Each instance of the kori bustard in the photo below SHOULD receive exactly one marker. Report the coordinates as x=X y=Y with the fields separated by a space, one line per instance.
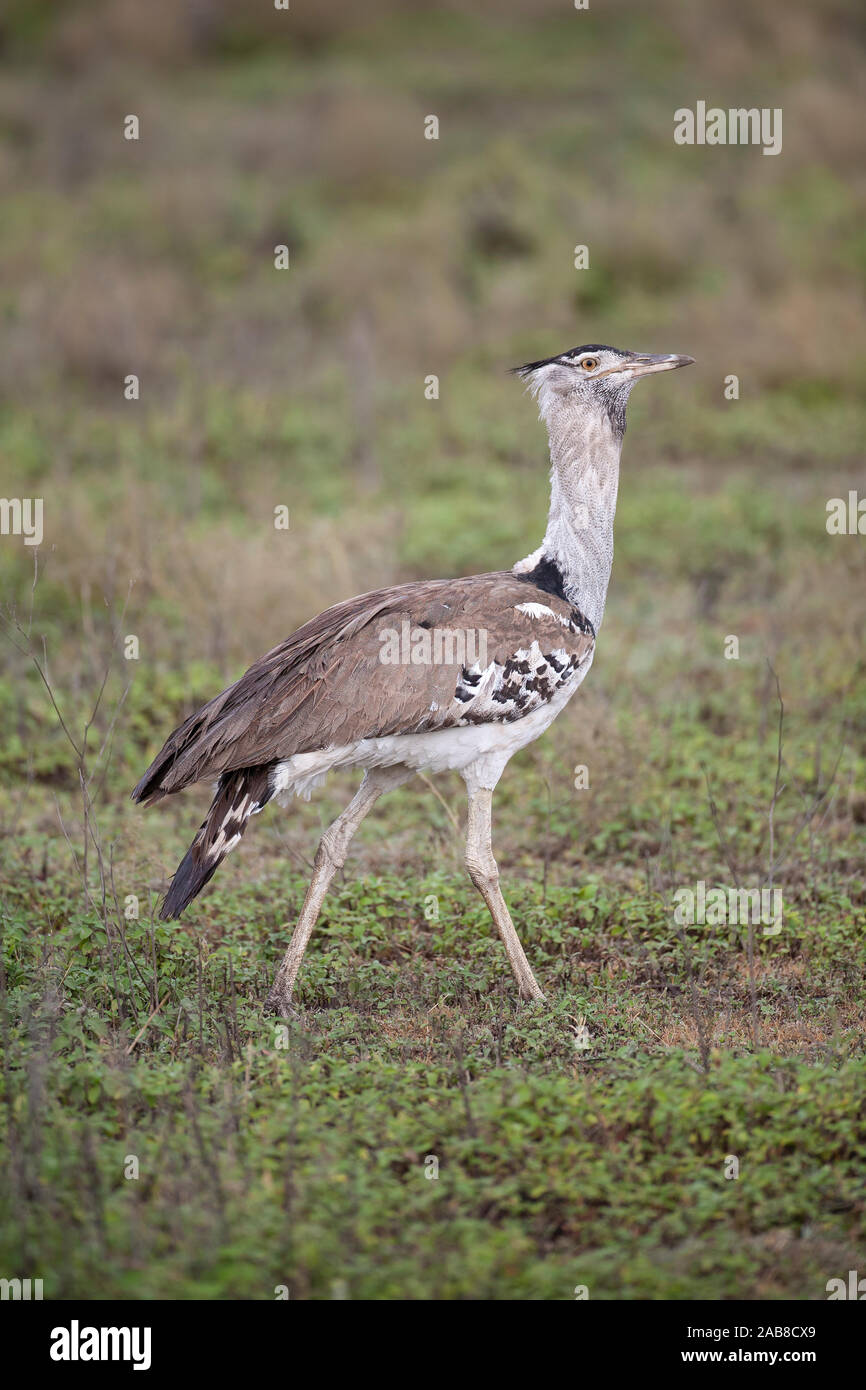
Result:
x=438 y=675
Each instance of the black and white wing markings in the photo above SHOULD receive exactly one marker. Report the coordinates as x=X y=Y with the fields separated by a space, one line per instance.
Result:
x=327 y=686
x=509 y=688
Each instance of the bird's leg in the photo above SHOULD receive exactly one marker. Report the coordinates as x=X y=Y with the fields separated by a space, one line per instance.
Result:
x=485 y=875
x=330 y=856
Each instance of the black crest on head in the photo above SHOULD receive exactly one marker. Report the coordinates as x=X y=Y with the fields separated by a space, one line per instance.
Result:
x=569 y=355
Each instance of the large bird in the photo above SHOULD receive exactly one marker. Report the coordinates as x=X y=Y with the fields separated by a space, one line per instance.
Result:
x=434 y=676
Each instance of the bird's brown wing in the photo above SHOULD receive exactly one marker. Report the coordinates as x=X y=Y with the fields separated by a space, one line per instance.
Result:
x=431 y=655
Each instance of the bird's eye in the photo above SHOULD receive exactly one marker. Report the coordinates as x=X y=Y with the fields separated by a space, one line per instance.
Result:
x=589 y=364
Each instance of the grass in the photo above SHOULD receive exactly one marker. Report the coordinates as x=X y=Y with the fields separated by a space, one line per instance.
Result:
x=300 y=1157
x=589 y=1143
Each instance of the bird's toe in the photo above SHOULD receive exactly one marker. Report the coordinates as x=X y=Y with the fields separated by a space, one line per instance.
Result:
x=276 y=1006
x=532 y=996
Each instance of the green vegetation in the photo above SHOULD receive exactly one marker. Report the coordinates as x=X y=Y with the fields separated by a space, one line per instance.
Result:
x=581 y=1144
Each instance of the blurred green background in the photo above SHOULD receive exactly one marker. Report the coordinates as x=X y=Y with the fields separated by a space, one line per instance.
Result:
x=306 y=388
x=412 y=257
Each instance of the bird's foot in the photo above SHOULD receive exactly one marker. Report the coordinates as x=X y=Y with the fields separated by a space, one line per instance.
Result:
x=530 y=996
x=278 y=1006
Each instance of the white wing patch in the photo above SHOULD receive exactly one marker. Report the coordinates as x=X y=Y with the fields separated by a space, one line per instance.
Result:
x=535 y=610
x=540 y=610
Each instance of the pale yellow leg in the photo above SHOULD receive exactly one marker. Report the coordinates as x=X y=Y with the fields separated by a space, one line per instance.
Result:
x=330 y=856
x=485 y=875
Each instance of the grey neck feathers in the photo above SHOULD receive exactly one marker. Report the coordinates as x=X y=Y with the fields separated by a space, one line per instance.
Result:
x=585 y=446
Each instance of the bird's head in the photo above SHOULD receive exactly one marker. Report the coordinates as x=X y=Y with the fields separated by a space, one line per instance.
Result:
x=594 y=377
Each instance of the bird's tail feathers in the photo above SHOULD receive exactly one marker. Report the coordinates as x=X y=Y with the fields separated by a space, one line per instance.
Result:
x=239 y=795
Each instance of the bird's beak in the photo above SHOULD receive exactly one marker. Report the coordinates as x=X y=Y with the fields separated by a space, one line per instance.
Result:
x=642 y=363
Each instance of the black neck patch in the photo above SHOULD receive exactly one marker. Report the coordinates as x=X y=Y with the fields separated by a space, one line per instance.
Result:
x=548 y=577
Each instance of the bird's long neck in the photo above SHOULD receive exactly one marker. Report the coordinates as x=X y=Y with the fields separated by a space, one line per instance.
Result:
x=585 y=446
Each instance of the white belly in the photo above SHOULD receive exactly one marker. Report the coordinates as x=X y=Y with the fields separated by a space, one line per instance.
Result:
x=440 y=750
